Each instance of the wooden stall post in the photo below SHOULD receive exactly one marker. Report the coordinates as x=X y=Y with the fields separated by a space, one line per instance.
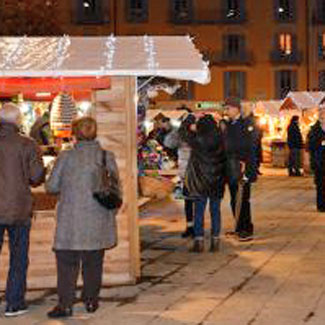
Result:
x=116 y=116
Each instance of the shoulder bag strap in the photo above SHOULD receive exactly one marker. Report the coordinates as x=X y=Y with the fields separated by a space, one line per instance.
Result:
x=104 y=158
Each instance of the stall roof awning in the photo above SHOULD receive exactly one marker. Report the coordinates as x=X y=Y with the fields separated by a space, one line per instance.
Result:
x=303 y=100
x=166 y=56
x=172 y=114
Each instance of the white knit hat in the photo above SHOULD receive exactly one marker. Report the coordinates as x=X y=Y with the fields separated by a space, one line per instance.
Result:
x=10 y=113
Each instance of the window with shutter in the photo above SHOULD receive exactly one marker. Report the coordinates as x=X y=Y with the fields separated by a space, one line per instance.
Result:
x=321 y=46
x=182 y=11
x=321 y=80
x=285 y=43
x=90 y=12
x=234 y=48
x=234 y=10
x=320 y=11
x=285 y=10
x=286 y=80
x=137 y=11
x=235 y=84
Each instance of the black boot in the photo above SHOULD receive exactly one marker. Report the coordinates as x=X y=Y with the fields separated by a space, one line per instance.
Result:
x=189 y=232
x=198 y=246
x=60 y=312
x=214 y=244
x=91 y=305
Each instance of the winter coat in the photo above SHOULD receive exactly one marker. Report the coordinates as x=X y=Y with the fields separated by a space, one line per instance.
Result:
x=21 y=167
x=206 y=167
x=294 y=139
x=241 y=140
x=316 y=147
x=82 y=223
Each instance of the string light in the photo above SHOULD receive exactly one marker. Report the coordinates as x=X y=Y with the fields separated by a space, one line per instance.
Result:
x=14 y=55
x=109 y=53
x=149 y=48
x=61 y=51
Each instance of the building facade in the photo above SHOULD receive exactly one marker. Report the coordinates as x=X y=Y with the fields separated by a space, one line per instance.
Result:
x=256 y=49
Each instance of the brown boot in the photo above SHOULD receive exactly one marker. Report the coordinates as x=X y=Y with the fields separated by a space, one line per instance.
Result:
x=214 y=244
x=198 y=246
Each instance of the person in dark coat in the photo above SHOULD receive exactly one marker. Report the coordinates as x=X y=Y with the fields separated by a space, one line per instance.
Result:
x=259 y=131
x=204 y=178
x=316 y=147
x=21 y=167
x=241 y=144
x=85 y=229
x=295 y=144
x=40 y=130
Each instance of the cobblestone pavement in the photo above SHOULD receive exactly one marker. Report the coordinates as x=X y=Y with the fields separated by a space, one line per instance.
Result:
x=279 y=278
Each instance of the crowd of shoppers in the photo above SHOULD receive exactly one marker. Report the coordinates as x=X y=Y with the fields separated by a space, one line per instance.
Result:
x=212 y=155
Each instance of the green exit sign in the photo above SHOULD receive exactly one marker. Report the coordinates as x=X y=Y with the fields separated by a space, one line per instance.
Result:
x=207 y=105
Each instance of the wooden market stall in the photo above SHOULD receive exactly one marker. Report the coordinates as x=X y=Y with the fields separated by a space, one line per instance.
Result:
x=271 y=123
x=122 y=59
x=305 y=104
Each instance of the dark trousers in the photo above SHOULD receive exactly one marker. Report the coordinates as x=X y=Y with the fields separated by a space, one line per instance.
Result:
x=244 y=224
x=320 y=189
x=189 y=212
x=294 y=163
x=17 y=275
x=68 y=267
x=200 y=206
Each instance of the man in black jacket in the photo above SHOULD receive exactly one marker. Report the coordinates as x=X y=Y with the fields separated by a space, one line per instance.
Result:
x=316 y=147
x=241 y=143
x=295 y=144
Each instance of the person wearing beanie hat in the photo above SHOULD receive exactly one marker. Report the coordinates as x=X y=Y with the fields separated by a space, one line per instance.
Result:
x=21 y=167
x=241 y=144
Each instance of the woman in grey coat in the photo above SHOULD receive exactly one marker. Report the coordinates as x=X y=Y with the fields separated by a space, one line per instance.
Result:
x=85 y=229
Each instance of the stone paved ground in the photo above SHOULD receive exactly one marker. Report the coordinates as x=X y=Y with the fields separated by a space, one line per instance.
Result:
x=277 y=279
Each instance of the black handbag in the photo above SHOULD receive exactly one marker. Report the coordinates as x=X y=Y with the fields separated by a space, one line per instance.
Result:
x=109 y=195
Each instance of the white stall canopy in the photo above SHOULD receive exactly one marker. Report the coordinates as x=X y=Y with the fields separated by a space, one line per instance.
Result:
x=302 y=100
x=166 y=56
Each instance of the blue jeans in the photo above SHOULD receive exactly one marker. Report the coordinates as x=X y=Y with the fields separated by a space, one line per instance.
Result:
x=200 y=206
x=17 y=275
